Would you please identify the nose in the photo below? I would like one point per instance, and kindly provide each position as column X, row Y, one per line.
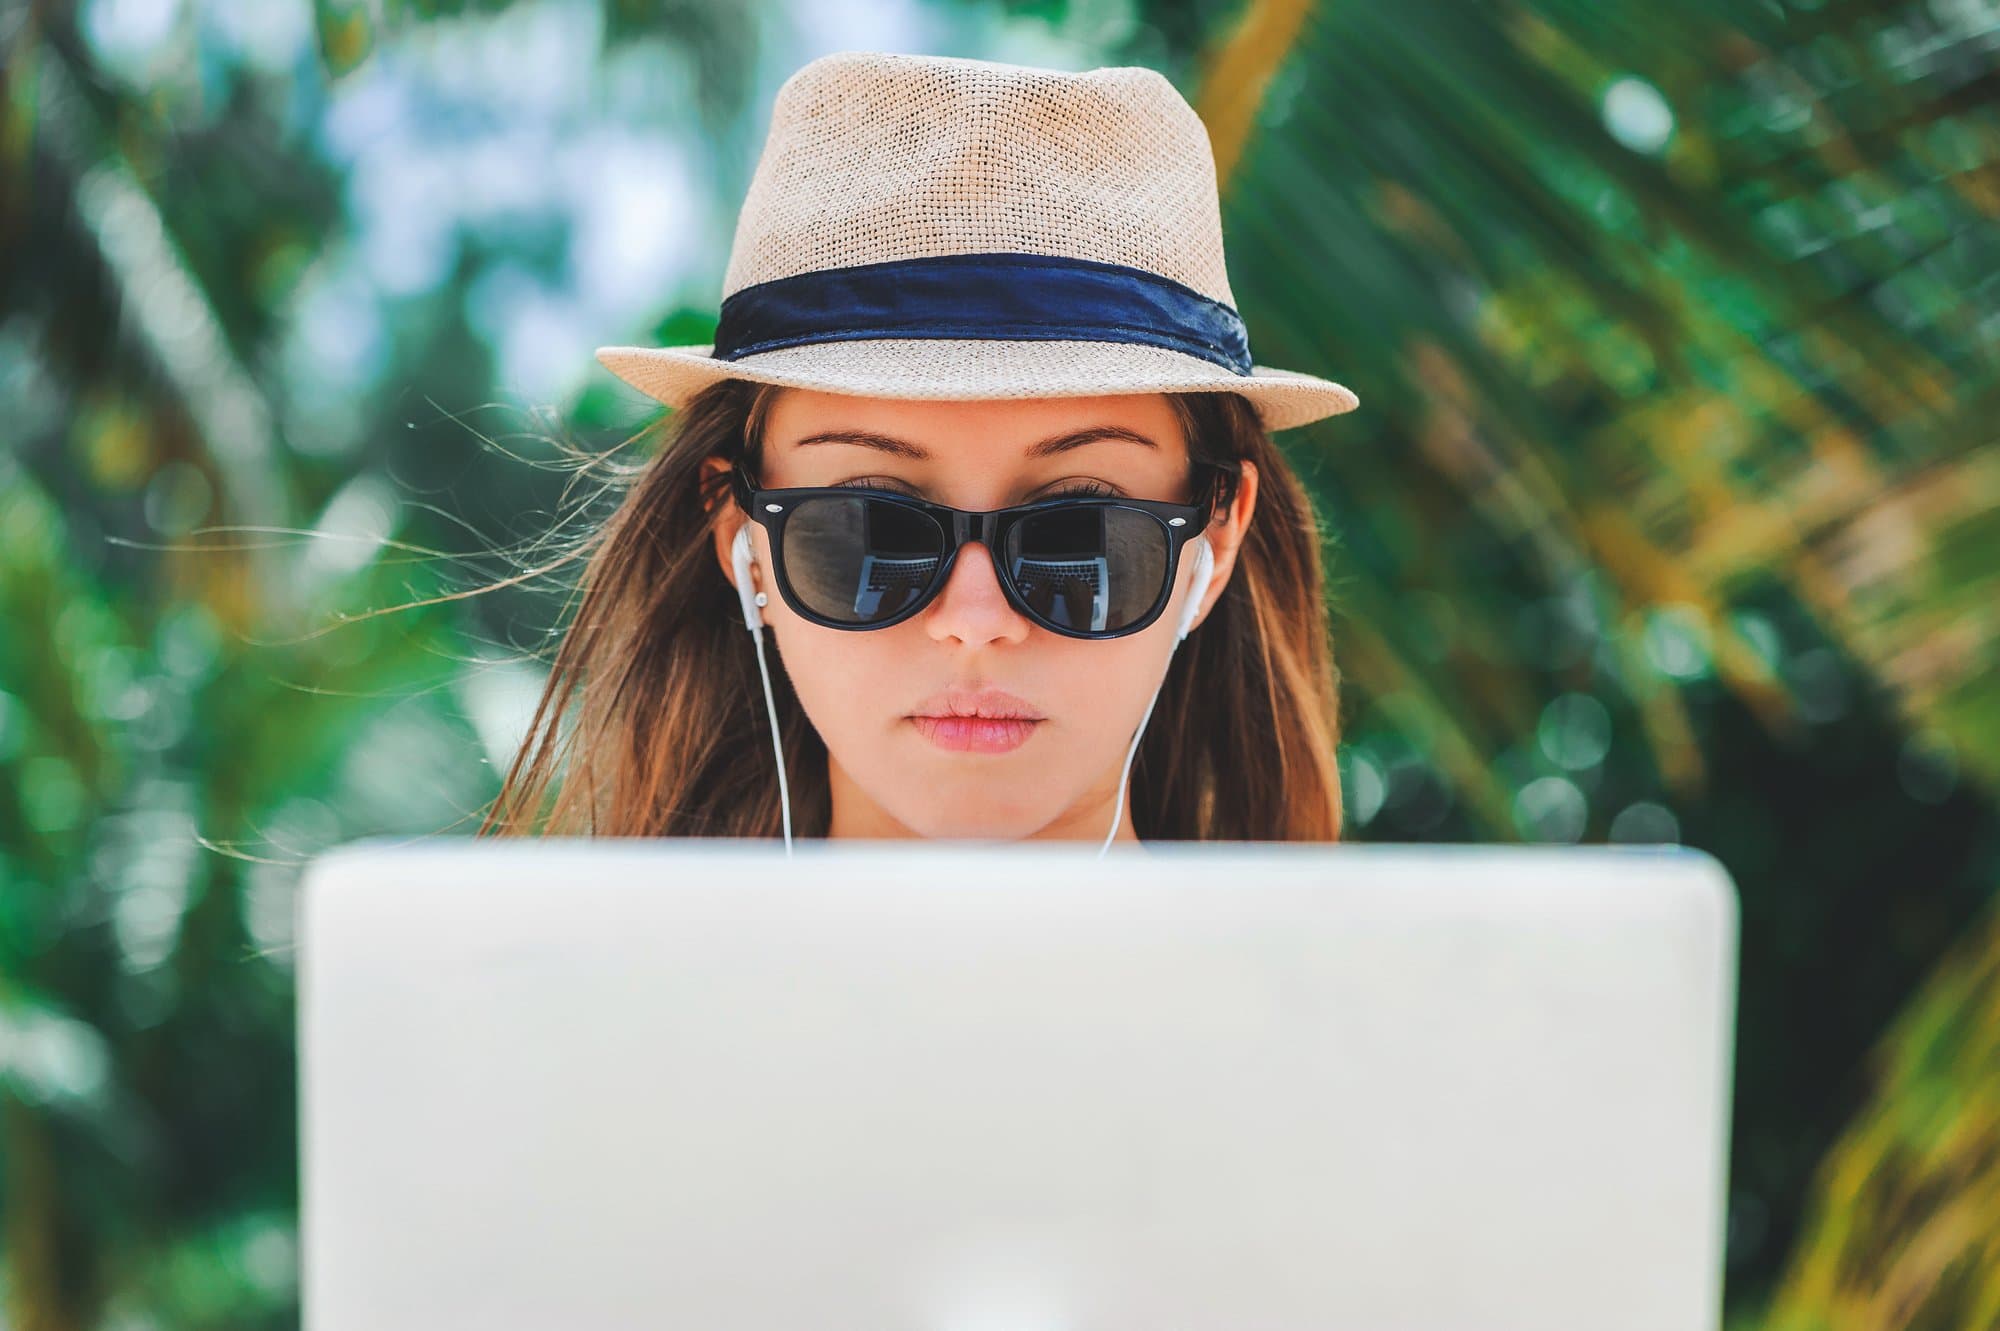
column 972, row 608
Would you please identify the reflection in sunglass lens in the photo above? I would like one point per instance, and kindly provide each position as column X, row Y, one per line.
column 1091, row 568
column 859, row 560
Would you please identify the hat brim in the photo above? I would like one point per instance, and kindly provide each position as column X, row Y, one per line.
column 978, row 368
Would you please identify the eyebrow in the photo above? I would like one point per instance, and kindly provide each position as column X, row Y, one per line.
column 1055, row 443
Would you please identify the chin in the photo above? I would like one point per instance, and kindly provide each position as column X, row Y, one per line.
column 984, row 823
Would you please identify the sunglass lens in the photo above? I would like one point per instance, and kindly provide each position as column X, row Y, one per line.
column 1091, row 569
column 860, row 561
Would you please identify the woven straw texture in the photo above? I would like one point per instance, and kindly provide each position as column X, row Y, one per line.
column 877, row 156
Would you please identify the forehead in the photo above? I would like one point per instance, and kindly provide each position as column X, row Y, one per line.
column 979, row 434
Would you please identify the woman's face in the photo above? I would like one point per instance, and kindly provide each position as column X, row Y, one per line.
column 874, row 697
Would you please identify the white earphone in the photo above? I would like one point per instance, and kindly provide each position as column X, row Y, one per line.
column 1204, row 568
column 746, row 591
column 740, row 559
column 753, row 619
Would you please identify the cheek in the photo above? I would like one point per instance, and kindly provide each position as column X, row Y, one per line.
column 846, row 680
column 1101, row 687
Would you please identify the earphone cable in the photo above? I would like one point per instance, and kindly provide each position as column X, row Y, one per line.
column 777, row 746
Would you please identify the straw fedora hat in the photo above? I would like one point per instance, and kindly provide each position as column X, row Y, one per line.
column 924, row 226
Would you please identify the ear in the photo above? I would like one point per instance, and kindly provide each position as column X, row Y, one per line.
column 1225, row 536
column 728, row 518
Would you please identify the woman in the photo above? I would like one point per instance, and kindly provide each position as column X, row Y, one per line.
column 979, row 439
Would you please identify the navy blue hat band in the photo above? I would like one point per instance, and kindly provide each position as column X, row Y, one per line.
column 1011, row 297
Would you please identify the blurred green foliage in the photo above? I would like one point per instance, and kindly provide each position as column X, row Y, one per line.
column 1671, row 512
column 1901, row 1229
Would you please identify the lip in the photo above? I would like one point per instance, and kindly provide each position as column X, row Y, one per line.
column 974, row 734
column 976, row 720
column 987, row 704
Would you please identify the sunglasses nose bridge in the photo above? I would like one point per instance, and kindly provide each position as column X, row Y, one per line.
column 964, row 527
column 967, row 526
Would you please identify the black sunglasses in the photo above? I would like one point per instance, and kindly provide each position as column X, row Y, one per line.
column 1088, row 566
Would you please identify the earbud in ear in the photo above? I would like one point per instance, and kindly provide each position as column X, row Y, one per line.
column 1204, row 568
column 746, row 590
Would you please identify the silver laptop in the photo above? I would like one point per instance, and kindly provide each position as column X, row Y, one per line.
column 922, row 1086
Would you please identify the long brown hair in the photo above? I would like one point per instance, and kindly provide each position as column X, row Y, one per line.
column 654, row 710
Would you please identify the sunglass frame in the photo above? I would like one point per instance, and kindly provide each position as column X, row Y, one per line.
column 771, row 509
